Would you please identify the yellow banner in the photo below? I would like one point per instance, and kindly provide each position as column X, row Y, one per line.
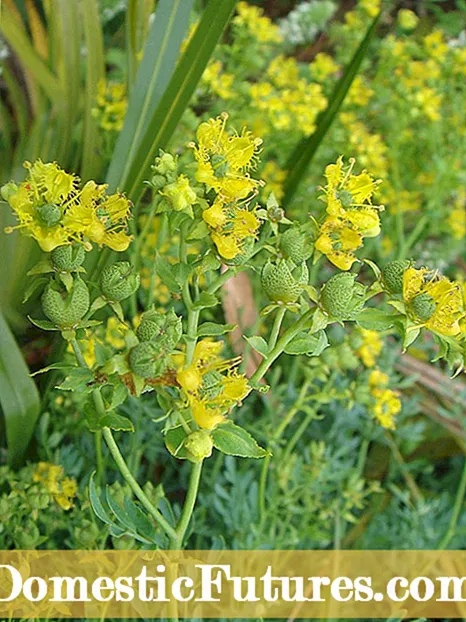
column 232, row 584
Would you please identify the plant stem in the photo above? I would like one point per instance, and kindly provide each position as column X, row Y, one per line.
column 176, row 542
column 276, row 327
column 280, row 346
column 445, row 541
column 135, row 487
column 119, row 460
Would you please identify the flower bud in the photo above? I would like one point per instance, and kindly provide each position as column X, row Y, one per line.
column 341, row 297
column 275, row 213
column 119, row 281
column 179, row 194
column 65, row 309
column 279, row 283
column 392, row 275
column 162, row 329
column 292, row 245
column 422, row 307
column 164, row 164
column 68, row 258
column 198, row 445
column 8, row 190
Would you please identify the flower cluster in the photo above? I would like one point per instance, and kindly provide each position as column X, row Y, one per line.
column 257, row 25
column 53, row 209
column 370, row 347
column 351, row 216
column 287, row 100
column 111, row 106
column 387, row 403
column 63, row 489
column 211, row 385
column 223, row 160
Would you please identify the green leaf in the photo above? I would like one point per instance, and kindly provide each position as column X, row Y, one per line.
column 116, row 422
column 258, row 344
column 19, row 41
column 78, row 378
column 43, row 324
column 164, row 119
column 210, row 329
column 174, row 440
column 312, row 345
column 304, row 152
column 96, row 503
column 19, row 398
column 205, row 301
column 166, row 274
column 233, row 440
column 375, row 319
column 141, row 524
column 156, row 68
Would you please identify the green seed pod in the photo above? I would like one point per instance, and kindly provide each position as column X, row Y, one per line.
column 392, row 275
column 49, row 214
column 341, row 297
column 292, row 245
column 422, row 307
column 119, row 281
column 142, row 360
column 65, row 309
column 164, row 330
column 198, row 445
column 68, row 258
column 279, row 283
column 211, row 385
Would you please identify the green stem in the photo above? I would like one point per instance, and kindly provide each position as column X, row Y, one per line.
column 119, row 460
column 176, row 542
column 276, row 327
column 280, row 346
column 132, row 483
column 445, row 541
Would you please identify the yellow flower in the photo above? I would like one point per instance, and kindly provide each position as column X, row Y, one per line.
column 377, row 378
column 217, row 81
column 387, row 405
column 274, row 178
column 407, row 19
column 111, row 106
column 224, row 159
column 433, row 301
column 338, row 241
column 371, row 7
column 457, row 217
column 435, row 45
column 370, row 348
column 209, row 391
column 53, row 210
column 323, row 66
column 63, row 489
column 259, row 26
column 359, row 94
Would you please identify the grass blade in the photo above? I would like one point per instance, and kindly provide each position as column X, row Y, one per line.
column 175, row 99
column 19, row 41
column 19, row 397
column 306, row 149
column 95, row 71
column 160, row 56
